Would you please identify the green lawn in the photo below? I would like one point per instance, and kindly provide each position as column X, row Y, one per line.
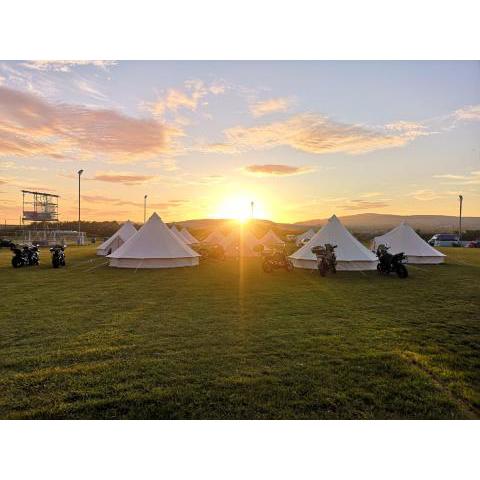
column 228, row 341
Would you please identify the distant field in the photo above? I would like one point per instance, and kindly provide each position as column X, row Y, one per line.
column 225, row 340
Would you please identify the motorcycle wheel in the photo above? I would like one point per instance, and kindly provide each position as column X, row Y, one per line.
column 402, row 271
column 16, row 262
column 55, row 263
column 322, row 270
column 334, row 268
column 289, row 266
column 267, row 267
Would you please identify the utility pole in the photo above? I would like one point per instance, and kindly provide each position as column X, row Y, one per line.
column 252, row 205
column 79, row 227
column 460, row 197
column 145, row 209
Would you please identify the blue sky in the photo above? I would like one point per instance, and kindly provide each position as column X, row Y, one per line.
column 302, row 139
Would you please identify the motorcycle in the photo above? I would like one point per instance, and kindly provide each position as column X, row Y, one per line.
column 210, row 251
column 326, row 258
column 25, row 256
column 58, row 256
column 389, row 263
column 274, row 260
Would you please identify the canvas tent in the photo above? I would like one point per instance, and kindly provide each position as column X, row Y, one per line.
column 305, row 236
column 351, row 254
column 177, row 233
column 215, row 237
column 189, row 238
column 117, row 239
column 404, row 239
column 271, row 238
column 154, row 246
column 240, row 242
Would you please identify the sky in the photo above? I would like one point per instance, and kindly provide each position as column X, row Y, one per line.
column 203, row 139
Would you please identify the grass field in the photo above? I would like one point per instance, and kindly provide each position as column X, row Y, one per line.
column 225, row 340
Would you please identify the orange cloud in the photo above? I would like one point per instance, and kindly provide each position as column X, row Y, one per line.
column 313, row 134
column 272, row 169
column 103, row 200
column 30, row 126
column 125, row 178
column 273, row 105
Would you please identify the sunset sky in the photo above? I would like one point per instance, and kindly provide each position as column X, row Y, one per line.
column 302, row 140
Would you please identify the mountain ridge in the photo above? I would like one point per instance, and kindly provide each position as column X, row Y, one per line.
column 360, row 222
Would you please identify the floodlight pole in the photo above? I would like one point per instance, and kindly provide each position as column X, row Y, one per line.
column 79, row 175
column 145, row 208
column 460, row 197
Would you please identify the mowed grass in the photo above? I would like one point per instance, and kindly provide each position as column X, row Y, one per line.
column 226, row 340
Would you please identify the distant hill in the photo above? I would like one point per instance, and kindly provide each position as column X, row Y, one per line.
column 378, row 221
column 362, row 223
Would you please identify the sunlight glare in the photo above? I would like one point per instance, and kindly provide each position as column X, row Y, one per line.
column 239, row 208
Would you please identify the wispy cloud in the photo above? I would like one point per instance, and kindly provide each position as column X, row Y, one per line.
column 114, row 201
column 272, row 105
column 425, row 195
column 125, row 178
column 363, row 205
column 273, row 169
column 211, row 179
column 66, row 65
column 89, row 89
column 471, row 112
column 371, row 194
column 313, row 134
column 31, row 126
column 473, row 178
column 407, row 129
column 189, row 97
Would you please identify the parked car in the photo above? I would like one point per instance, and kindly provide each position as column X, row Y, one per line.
column 444, row 240
column 474, row 244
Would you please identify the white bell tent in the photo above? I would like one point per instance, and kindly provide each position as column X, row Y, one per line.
column 270, row 238
column 117, row 239
column 189, row 238
column 240, row 242
column 305, row 236
column 177, row 233
column 404, row 239
column 215, row 237
column 154, row 246
column 351, row 254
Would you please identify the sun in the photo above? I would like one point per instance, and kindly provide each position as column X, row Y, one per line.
column 239, row 207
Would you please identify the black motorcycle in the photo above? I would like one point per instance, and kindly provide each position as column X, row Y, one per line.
column 326, row 258
column 58, row 256
column 25, row 256
column 274, row 259
column 389, row 263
